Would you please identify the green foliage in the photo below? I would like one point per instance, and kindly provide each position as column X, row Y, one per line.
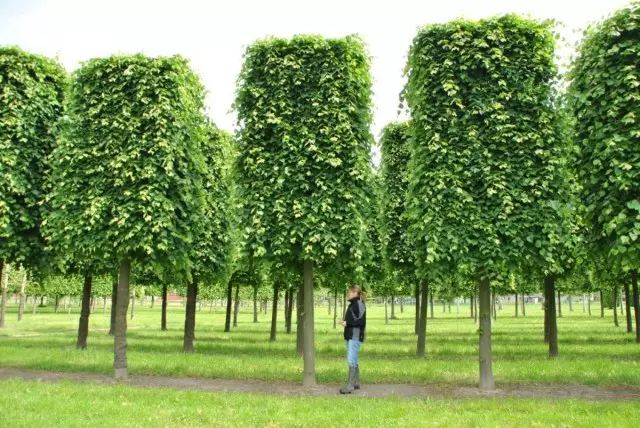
column 487, row 176
column 394, row 180
column 212, row 247
column 128, row 170
column 31, row 97
column 303, row 167
column 605, row 99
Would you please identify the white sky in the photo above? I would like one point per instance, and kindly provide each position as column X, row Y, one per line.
column 213, row 34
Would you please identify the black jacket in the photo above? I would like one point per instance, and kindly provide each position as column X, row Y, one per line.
column 356, row 319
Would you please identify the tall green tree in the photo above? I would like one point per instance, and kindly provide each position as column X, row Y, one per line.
column 31, row 104
column 304, row 109
column 129, row 170
column 604, row 96
column 212, row 247
column 483, row 152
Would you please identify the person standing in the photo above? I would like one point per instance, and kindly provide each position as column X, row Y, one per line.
column 354, row 323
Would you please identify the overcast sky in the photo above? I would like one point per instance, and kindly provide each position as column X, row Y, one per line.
column 213, row 34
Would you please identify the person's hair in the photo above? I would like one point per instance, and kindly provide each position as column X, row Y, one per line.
column 361, row 294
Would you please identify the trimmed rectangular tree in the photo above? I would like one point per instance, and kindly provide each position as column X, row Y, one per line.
column 129, row 170
column 485, row 153
column 304, row 110
column 605, row 102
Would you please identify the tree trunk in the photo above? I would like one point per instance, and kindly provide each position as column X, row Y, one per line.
column 457, row 306
column 4, row 279
column 133, row 304
column 417, row 297
column 570, row 303
column 549, row 284
column 190, row 316
column 163, row 315
column 299, row 320
column 601, row 304
column 546, row 313
column 636, row 302
column 309, row 352
column 211, row 306
column 444, row 306
column 274, row 312
column 493, row 306
column 589, row 303
column 471, row 306
column 615, row 306
column 35, row 305
column 236, row 306
column 627, row 307
column 153, row 301
column 431, row 304
column 475, row 307
column 114, row 300
column 57, row 304
column 122, row 305
column 485, row 357
column 422, row 328
column 401, row 305
column 559, row 305
column 393, row 307
column 524, row 307
column 584, row 307
column 23, row 296
column 227, row 320
column 83, row 325
column 386, row 311
column 335, row 309
column 255, row 303
column 516, row 306
column 290, row 311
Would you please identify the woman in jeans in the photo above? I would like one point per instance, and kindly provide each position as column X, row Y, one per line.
column 354, row 323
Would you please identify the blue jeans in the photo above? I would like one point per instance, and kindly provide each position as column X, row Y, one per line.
column 353, row 348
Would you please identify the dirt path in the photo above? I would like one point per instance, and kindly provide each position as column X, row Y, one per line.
column 557, row 391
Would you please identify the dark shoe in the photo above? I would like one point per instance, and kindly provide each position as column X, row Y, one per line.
column 356, row 380
column 349, row 388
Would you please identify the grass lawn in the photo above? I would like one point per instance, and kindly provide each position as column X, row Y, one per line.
column 81, row 405
column 592, row 350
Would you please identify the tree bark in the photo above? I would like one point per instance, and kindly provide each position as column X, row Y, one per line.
column 114, row 300
column 601, row 304
column 83, row 325
column 290, row 311
column 417, row 297
column 274, row 312
column 402, row 305
column 636, row 302
column 516, row 305
column 23, row 296
column 570, row 304
column 236, row 306
column 309, row 352
column 255, row 303
column 549, row 283
column 335, row 309
column 122, row 305
column 485, row 357
column 431, row 304
column 615, row 306
column 471, row 306
column 627, row 308
column 57, row 304
column 386, row 311
column 35, row 304
column 422, row 328
column 589, row 303
column 524, row 307
column 163, row 315
column 153, row 301
column 227, row 320
column 559, row 305
column 493, row 306
column 299, row 320
column 393, row 307
column 546, row 313
column 133, row 304
column 190, row 316
column 475, row 307
column 4, row 279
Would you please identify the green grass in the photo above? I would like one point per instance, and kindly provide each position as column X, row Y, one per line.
column 592, row 350
column 79, row 405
